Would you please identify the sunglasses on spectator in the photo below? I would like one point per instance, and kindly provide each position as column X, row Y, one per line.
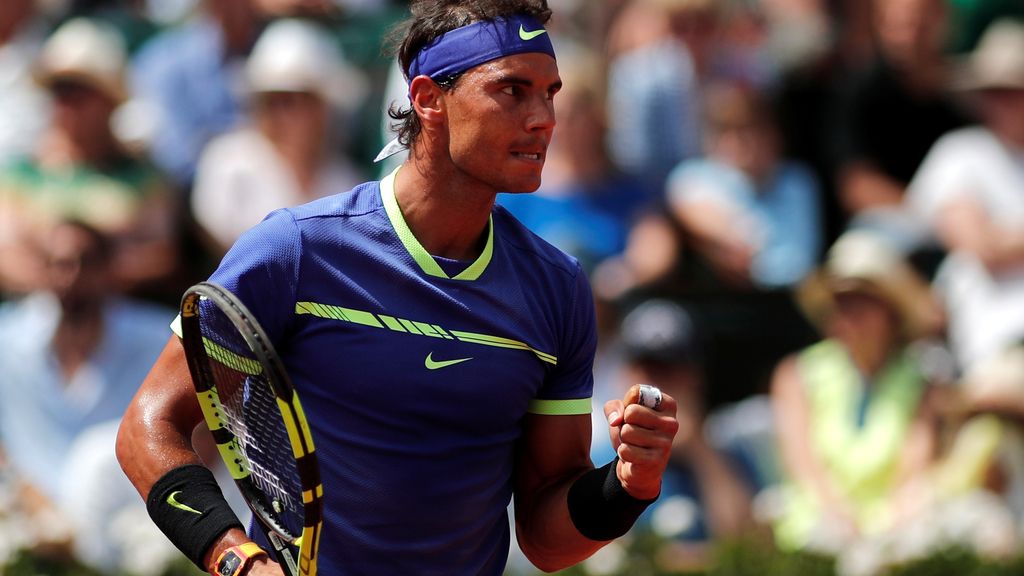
column 71, row 91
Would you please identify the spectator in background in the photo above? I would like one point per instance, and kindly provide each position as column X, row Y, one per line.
column 704, row 496
column 584, row 204
column 971, row 498
column 653, row 84
column 79, row 170
column 72, row 355
column 890, row 114
column 300, row 87
column 747, row 229
column 855, row 417
column 751, row 215
column 23, row 104
column 968, row 191
column 189, row 78
column 988, row 453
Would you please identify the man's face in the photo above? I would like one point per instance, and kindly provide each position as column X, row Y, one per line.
column 77, row 267
column 500, row 119
column 81, row 110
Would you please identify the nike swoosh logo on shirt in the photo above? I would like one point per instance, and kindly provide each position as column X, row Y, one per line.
column 530, row 34
column 432, row 364
column 173, row 501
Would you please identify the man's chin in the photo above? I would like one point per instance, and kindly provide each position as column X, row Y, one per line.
column 524, row 186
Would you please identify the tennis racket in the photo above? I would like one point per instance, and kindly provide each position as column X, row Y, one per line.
column 250, row 406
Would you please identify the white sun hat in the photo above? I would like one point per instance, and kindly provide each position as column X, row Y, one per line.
column 997, row 62
column 86, row 51
column 864, row 261
column 294, row 55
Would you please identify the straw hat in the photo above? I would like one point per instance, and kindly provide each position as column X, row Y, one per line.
column 998, row 60
column 997, row 384
column 85, row 51
column 298, row 56
column 864, row 262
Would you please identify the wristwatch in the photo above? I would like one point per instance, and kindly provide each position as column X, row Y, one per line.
column 232, row 561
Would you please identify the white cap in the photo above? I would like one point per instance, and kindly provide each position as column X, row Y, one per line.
column 86, row 51
column 299, row 56
column 998, row 61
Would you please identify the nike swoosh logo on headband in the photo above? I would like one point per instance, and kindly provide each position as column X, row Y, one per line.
column 530, row 35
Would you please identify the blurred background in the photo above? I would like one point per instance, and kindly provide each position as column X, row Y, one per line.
column 804, row 219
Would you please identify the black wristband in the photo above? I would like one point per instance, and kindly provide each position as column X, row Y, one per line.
column 600, row 507
column 187, row 505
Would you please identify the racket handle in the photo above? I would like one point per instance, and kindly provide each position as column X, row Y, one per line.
column 645, row 395
column 284, row 554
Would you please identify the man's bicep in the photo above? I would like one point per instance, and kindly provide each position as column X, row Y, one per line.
column 553, row 448
column 156, row 430
column 167, row 392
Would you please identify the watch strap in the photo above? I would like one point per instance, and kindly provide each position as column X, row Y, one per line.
column 232, row 561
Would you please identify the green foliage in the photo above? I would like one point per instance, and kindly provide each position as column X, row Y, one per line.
column 27, row 563
column 959, row 562
column 751, row 557
column 746, row 557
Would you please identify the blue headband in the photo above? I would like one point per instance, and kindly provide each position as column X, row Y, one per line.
column 463, row 48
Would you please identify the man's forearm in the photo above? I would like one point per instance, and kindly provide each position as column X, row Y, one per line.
column 545, row 530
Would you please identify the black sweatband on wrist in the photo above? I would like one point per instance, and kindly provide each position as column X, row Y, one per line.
column 600, row 507
column 187, row 505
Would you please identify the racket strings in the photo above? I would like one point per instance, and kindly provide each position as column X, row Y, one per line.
column 252, row 415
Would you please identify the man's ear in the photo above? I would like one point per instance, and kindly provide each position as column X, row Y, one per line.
column 428, row 101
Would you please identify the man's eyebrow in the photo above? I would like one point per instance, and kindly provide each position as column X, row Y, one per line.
column 520, row 81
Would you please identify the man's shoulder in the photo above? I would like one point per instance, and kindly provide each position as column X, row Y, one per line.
column 361, row 200
column 529, row 245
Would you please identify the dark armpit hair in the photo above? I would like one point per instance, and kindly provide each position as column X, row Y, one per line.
column 432, row 18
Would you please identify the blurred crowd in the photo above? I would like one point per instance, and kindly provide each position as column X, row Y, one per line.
column 804, row 219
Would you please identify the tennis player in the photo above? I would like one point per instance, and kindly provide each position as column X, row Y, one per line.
column 442, row 352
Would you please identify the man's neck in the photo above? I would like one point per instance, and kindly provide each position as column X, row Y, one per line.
column 446, row 211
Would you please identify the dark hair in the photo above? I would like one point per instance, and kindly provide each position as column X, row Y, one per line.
column 432, row 18
column 661, row 331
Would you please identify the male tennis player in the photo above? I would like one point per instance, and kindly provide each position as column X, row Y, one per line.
column 442, row 352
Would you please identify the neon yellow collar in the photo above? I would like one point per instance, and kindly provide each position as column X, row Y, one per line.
column 423, row 258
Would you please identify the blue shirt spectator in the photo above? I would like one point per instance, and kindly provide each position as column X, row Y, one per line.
column 781, row 218
column 190, row 77
column 44, row 410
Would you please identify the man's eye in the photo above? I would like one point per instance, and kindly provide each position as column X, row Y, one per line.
column 510, row 90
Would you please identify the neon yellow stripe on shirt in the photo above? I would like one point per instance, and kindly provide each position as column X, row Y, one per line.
column 338, row 313
column 416, row 250
column 560, row 407
column 500, row 342
column 415, row 327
